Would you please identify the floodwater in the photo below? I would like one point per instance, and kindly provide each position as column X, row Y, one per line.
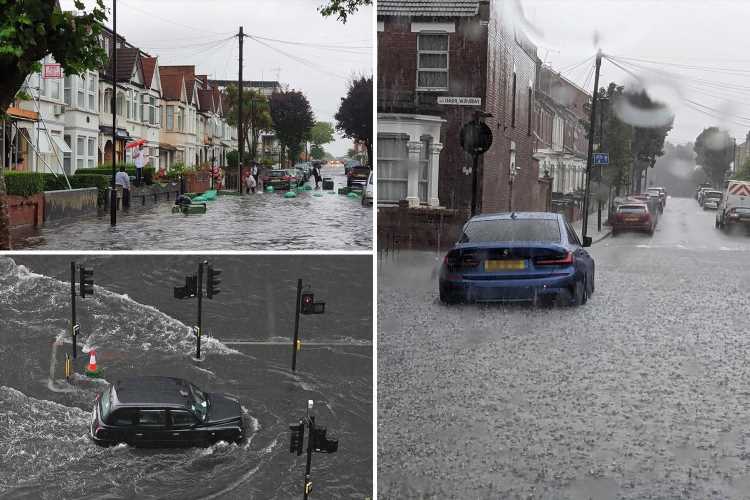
column 138, row 328
column 641, row 393
column 314, row 220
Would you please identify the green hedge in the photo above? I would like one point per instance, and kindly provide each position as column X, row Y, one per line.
column 30, row 183
column 148, row 172
column 24, row 183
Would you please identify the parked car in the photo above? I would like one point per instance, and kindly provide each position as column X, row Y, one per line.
column 351, row 164
column 662, row 195
column 634, row 217
column 306, row 168
column 711, row 199
column 367, row 196
column 278, row 179
column 520, row 256
column 702, row 192
column 164, row 412
column 734, row 208
column 296, row 176
column 302, row 175
column 357, row 177
column 701, row 186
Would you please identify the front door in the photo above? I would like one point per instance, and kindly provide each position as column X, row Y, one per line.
column 151, row 429
column 182, row 431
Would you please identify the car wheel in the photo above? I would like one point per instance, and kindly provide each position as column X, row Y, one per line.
column 614, row 232
column 447, row 297
column 579, row 293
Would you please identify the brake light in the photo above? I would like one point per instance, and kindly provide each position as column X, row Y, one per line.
column 645, row 217
column 619, row 217
column 566, row 260
column 453, row 260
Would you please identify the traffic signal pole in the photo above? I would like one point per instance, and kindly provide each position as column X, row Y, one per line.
column 295, row 342
column 587, row 193
column 73, row 306
column 310, row 433
column 200, row 311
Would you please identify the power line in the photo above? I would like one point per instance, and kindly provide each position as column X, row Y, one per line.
column 300, row 60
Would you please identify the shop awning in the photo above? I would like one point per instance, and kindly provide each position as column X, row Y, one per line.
column 167, row 147
column 121, row 132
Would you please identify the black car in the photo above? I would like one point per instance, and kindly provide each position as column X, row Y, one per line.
column 164, row 412
column 357, row 177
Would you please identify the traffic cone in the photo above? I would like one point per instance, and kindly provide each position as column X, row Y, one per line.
column 92, row 370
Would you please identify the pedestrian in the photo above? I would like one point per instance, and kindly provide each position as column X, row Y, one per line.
column 122, row 179
column 255, row 172
column 316, row 173
column 251, row 183
column 138, row 155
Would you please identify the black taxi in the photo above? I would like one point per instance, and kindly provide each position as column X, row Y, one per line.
column 164, row 412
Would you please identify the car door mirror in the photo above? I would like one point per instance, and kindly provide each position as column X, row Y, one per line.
column 587, row 241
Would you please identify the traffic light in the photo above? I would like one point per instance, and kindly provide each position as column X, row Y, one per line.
column 321, row 443
column 212, row 282
column 87, row 282
column 308, row 301
column 296, row 437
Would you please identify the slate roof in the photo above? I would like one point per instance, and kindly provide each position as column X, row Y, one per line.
column 428, row 8
column 188, row 72
column 205, row 99
column 149, row 65
column 127, row 57
column 171, row 83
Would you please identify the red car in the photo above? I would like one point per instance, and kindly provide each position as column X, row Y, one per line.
column 634, row 217
column 279, row 179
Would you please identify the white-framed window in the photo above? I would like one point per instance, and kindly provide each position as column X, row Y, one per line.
column 432, row 61
column 130, row 104
column 180, row 123
column 170, row 117
column 91, row 85
column 92, row 147
column 81, row 92
column 107, row 101
column 120, row 104
column 54, row 85
column 68, row 85
column 144, row 108
column 152, row 111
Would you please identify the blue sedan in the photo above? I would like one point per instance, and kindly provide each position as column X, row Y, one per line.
column 519, row 256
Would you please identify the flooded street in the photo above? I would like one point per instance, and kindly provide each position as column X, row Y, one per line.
column 263, row 221
column 138, row 328
column 644, row 392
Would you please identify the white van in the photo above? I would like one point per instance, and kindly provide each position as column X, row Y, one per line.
column 367, row 195
column 735, row 205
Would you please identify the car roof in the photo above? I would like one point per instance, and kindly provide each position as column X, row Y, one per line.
column 166, row 391
column 516, row 215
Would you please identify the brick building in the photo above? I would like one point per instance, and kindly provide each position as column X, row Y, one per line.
column 428, row 50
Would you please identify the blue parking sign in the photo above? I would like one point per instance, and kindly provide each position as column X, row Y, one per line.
column 601, row 158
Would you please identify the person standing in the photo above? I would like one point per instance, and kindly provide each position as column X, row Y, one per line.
column 316, row 173
column 255, row 172
column 122, row 179
column 138, row 155
column 251, row 183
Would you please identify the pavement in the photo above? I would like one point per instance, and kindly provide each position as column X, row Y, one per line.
column 592, row 229
column 640, row 393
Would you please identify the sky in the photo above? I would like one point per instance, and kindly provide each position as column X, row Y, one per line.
column 699, row 63
column 313, row 54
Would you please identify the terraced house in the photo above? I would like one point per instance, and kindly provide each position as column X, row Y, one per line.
column 180, row 114
column 439, row 63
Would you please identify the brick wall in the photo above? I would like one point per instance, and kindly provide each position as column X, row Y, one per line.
column 26, row 211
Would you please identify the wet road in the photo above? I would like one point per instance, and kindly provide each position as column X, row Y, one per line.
column 644, row 392
column 264, row 221
column 139, row 328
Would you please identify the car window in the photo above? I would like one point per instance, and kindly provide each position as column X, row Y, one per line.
column 124, row 416
column 105, row 404
column 152, row 418
column 631, row 209
column 572, row 236
column 546, row 230
column 182, row 418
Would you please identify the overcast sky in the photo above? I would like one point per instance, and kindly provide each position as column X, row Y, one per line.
column 710, row 35
column 318, row 55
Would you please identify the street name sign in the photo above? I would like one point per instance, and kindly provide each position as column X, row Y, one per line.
column 460, row 101
column 601, row 158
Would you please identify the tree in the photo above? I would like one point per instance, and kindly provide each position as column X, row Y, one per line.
column 321, row 133
column 648, row 142
column 714, row 151
column 354, row 117
column 317, row 152
column 292, row 119
column 743, row 173
column 618, row 138
column 342, row 8
column 31, row 30
column 351, row 153
column 256, row 115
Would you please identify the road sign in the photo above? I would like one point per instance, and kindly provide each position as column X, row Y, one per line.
column 52, row 71
column 476, row 137
column 460, row 101
column 601, row 158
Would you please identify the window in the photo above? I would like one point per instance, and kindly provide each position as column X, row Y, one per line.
column 67, row 156
column 67, row 90
column 144, row 108
column 182, row 418
column 124, row 416
column 179, row 119
column 120, row 104
column 152, row 111
column 513, row 104
column 393, row 161
column 81, row 92
column 547, row 230
column 152, row 418
column 170, row 117
column 80, row 151
column 55, row 88
column 130, row 104
column 92, row 147
column 432, row 61
column 91, row 90
column 107, row 103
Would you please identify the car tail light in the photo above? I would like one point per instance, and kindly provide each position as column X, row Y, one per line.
column 453, row 260
column 645, row 217
column 565, row 260
column 619, row 217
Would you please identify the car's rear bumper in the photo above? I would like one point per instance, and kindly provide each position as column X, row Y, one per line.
column 646, row 226
column 509, row 290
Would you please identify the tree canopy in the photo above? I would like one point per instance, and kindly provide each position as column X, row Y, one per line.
column 256, row 114
column 292, row 119
column 714, row 151
column 354, row 117
column 31, row 30
column 321, row 133
column 342, row 9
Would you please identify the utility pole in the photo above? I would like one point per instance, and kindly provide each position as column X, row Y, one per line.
column 240, row 131
column 73, row 322
column 587, row 192
column 295, row 343
column 113, row 70
column 200, row 310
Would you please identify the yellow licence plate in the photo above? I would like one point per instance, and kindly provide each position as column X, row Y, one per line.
column 631, row 219
column 504, row 265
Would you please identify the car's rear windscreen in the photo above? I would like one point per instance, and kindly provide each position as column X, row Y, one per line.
column 546, row 230
column 631, row 209
column 105, row 404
